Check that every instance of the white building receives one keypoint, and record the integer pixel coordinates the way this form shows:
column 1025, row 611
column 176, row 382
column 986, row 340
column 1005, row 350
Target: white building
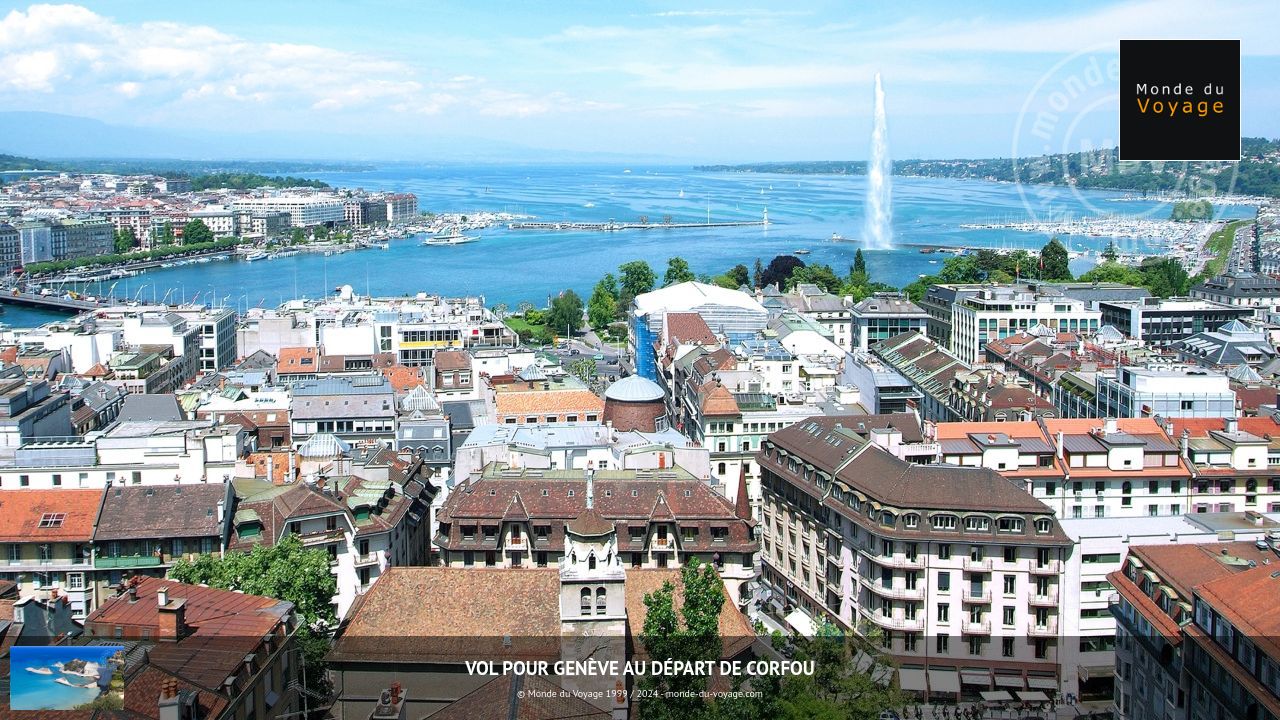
column 304, row 210
column 997, row 312
column 1164, row 390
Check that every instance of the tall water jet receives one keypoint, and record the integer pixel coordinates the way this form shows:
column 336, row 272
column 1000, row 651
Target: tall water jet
column 877, row 234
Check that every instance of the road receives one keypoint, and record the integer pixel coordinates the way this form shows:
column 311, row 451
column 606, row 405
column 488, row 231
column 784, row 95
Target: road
column 608, row 366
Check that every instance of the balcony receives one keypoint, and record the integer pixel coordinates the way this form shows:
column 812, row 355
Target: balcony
column 517, row 543
column 1052, row 567
column 128, row 561
column 50, row 564
column 897, row 623
column 1043, row 600
column 663, row 544
column 323, row 537
column 893, row 561
column 982, row 627
column 896, row 593
column 1048, row 628
column 977, row 596
column 367, row 559
column 972, row 565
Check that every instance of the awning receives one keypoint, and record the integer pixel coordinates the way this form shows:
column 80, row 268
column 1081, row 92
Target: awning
column 976, row 677
column 1033, row 696
column 801, row 623
column 1044, row 683
column 996, row 696
column 944, row 681
column 1009, row 681
column 911, row 679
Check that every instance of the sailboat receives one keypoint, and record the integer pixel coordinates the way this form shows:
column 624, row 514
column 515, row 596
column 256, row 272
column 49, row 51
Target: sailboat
column 681, row 192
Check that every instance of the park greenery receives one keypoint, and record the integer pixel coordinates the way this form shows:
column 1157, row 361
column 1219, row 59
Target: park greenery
column 288, row 571
column 249, row 181
column 1192, row 210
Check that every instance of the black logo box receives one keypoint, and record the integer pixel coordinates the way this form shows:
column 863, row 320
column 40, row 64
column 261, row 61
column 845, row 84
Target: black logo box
column 1185, row 67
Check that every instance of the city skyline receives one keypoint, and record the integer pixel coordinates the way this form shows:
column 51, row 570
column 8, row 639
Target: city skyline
column 664, row 82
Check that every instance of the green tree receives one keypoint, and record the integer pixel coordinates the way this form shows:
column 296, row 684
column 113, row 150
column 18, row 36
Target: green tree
column 297, row 236
column 851, row 679
column 677, row 272
column 1165, row 277
column 697, row 638
column 637, row 278
column 584, row 368
column 287, row 571
column 166, row 235
column 565, row 313
column 321, row 232
column 779, row 271
column 1110, row 254
column 125, row 241
column 602, row 308
column 757, row 274
column 739, row 274
column 196, row 232
column 1054, row 261
column 859, row 262
column 821, row 275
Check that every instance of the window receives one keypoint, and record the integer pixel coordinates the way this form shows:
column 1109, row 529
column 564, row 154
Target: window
column 1010, row 554
column 944, row 551
column 941, row 644
column 24, row 481
column 1043, row 526
column 944, row 613
column 1011, row 525
column 1010, row 584
column 1006, row 646
column 601, row 602
column 51, row 520
column 1008, row 617
column 585, row 602
column 944, row 581
column 490, row 558
column 57, row 480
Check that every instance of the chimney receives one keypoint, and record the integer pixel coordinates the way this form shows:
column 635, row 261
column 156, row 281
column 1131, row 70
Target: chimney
column 1110, row 426
column 222, row 510
column 1185, row 443
column 1232, row 424
column 591, row 485
column 173, row 620
column 170, row 704
column 1058, row 450
column 162, row 595
column 391, row 704
column 133, row 595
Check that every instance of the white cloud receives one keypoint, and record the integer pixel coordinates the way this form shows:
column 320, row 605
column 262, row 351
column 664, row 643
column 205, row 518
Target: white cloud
column 129, row 89
column 29, row 71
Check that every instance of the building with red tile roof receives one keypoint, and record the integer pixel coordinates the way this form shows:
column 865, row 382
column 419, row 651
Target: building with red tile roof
column 297, row 363
column 223, row 652
column 1235, row 462
column 1203, row 621
column 49, row 534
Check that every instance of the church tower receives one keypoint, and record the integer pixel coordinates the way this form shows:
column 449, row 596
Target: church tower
column 593, row 604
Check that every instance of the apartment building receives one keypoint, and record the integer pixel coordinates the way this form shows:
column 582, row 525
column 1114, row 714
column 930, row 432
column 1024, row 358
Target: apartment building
column 930, row 368
column 882, row 316
column 304, row 210
column 48, row 543
column 1163, row 321
column 401, row 207
column 352, row 408
column 1195, row 629
column 517, row 517
column 208, row 653
column 815, row 304
column 366, row 523
column 1235, row 463
column 10, row 248
column 957, row 568
column 997, row 312
column 1255, row 291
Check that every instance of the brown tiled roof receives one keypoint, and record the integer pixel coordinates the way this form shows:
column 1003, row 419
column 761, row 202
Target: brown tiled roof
column 22, row 513
column 143, row 692
column 1248, row 600
column 1183, row 566
column 549, row 402
column 520, row 697
column 452, row 360
column 688, row 328
column 717, row 400
column 224, row 627
column 164, row 511
column 589, row 524
column 98, row 371
column 1200, row 427
column 402, row 378
column 297, row 360
column 453, row 614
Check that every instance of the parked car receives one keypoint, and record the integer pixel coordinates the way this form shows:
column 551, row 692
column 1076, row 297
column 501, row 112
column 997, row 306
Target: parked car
column 598, row 356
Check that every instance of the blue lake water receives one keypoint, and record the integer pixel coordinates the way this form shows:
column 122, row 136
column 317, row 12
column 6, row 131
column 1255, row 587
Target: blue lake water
column 514, row 265
column 31, row 691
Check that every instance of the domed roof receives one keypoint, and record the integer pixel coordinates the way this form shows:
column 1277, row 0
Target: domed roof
column 323, row 445
column 634, row 388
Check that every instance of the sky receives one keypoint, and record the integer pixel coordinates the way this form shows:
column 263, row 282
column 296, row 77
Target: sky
column 700, row 81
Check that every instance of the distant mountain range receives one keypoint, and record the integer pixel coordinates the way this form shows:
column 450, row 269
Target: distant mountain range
column 1258, row 170
column 52, row 136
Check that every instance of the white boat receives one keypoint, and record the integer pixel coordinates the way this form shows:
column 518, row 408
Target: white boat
column 802, row 252
column 40, row 670
column 453, row 238
column 255, row 255
column 589, row 205
column 836, row 237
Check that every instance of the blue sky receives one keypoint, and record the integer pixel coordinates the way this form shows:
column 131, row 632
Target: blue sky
column 688, row 80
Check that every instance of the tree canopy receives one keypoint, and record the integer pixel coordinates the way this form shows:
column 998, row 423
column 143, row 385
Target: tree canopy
column 677, row 272
column 602, row 308
column 779, row 271
column 1054, row 261
column 196, row 232
column 565, row 313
